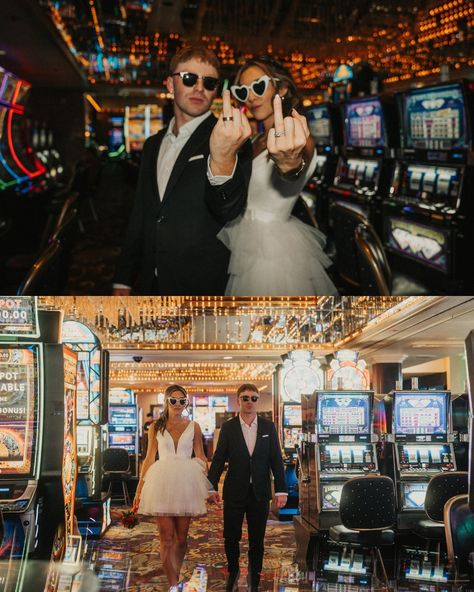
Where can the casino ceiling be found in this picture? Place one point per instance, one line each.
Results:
(129, 42)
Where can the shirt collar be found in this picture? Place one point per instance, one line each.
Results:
(188, 128)
(254, 422)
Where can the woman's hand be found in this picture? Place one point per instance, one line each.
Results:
(230, 132)
(287, 139)
(136, 499)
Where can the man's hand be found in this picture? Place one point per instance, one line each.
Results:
(230, 132)
(280, 501)
(286, 141)
(121, 291)
(214, 498)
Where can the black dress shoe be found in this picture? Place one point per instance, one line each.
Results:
(232, 581)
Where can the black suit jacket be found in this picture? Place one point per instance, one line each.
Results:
(177, 234)
(266, 457)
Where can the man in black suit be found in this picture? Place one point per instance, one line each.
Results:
(184, 197)
(250, 445)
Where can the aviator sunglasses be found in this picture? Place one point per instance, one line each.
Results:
(253, 398)
(258, 87)
(173, 401)
(190, 79)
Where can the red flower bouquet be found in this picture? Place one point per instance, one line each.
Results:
(129, 518)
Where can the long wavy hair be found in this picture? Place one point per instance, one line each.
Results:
(160, 423)
(275, 70)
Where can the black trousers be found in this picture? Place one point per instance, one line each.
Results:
(256, 513)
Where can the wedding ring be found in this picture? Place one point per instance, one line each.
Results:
(230, 118)
(279, 134)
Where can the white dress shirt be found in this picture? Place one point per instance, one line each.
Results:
(250, 433)
(250, 437)
(171, 147)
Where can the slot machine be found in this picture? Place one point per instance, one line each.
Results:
(339, 443)
(18, 162)
(367, 161)
(93, 506)
(422, 439)
(299, 373)
(37, 473)
(123, 431)
(428, 215)
(326, 129)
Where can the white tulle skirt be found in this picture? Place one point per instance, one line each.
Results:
(274, 257)
(175, 487)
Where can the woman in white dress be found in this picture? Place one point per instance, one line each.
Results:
(173, 488)
(272, 252)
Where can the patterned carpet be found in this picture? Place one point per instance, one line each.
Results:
(136, 551)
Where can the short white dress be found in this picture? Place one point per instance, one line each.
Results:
(272, 252)
(176, 484)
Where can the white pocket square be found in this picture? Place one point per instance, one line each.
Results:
(197, 157)
(265, 435)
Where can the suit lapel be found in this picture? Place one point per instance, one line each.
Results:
(198, 138)
(155, 150)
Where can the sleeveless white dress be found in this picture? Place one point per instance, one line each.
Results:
(176, 484)
(272, 252)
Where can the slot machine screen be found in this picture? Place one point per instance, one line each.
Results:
(291, 437)
(435, 118)
(420, 413)
(331, 495)
(84, 440)
(126, 441)
(8, 86)
(292, 415)
(364, 123)
(121, 396)
(120, 415)
(420, 242)
(319, 124)
(343, 413)
(20, 394)
(414, 495)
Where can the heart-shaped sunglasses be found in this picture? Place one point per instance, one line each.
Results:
(258, 87)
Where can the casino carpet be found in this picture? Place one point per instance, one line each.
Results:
(140, 546)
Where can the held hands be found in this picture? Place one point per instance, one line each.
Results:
(230, 132)
(214, 498)
(287, 139)
(280, 501)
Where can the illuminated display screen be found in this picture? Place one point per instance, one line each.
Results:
(346, 562)
(331, 495)
(319, 124)
(120, 415)
(291, 415)
(291, 437)
(84, 440)
(414, 495)
(19, 403)
(8, 89)
(423, 569)
(119, 396)
(219, 402)
(426, 244)
(420, 413)
(126, 441)
(364, 124)
(435, 118)
(18, 316)
(343, 413)
(426, 182)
